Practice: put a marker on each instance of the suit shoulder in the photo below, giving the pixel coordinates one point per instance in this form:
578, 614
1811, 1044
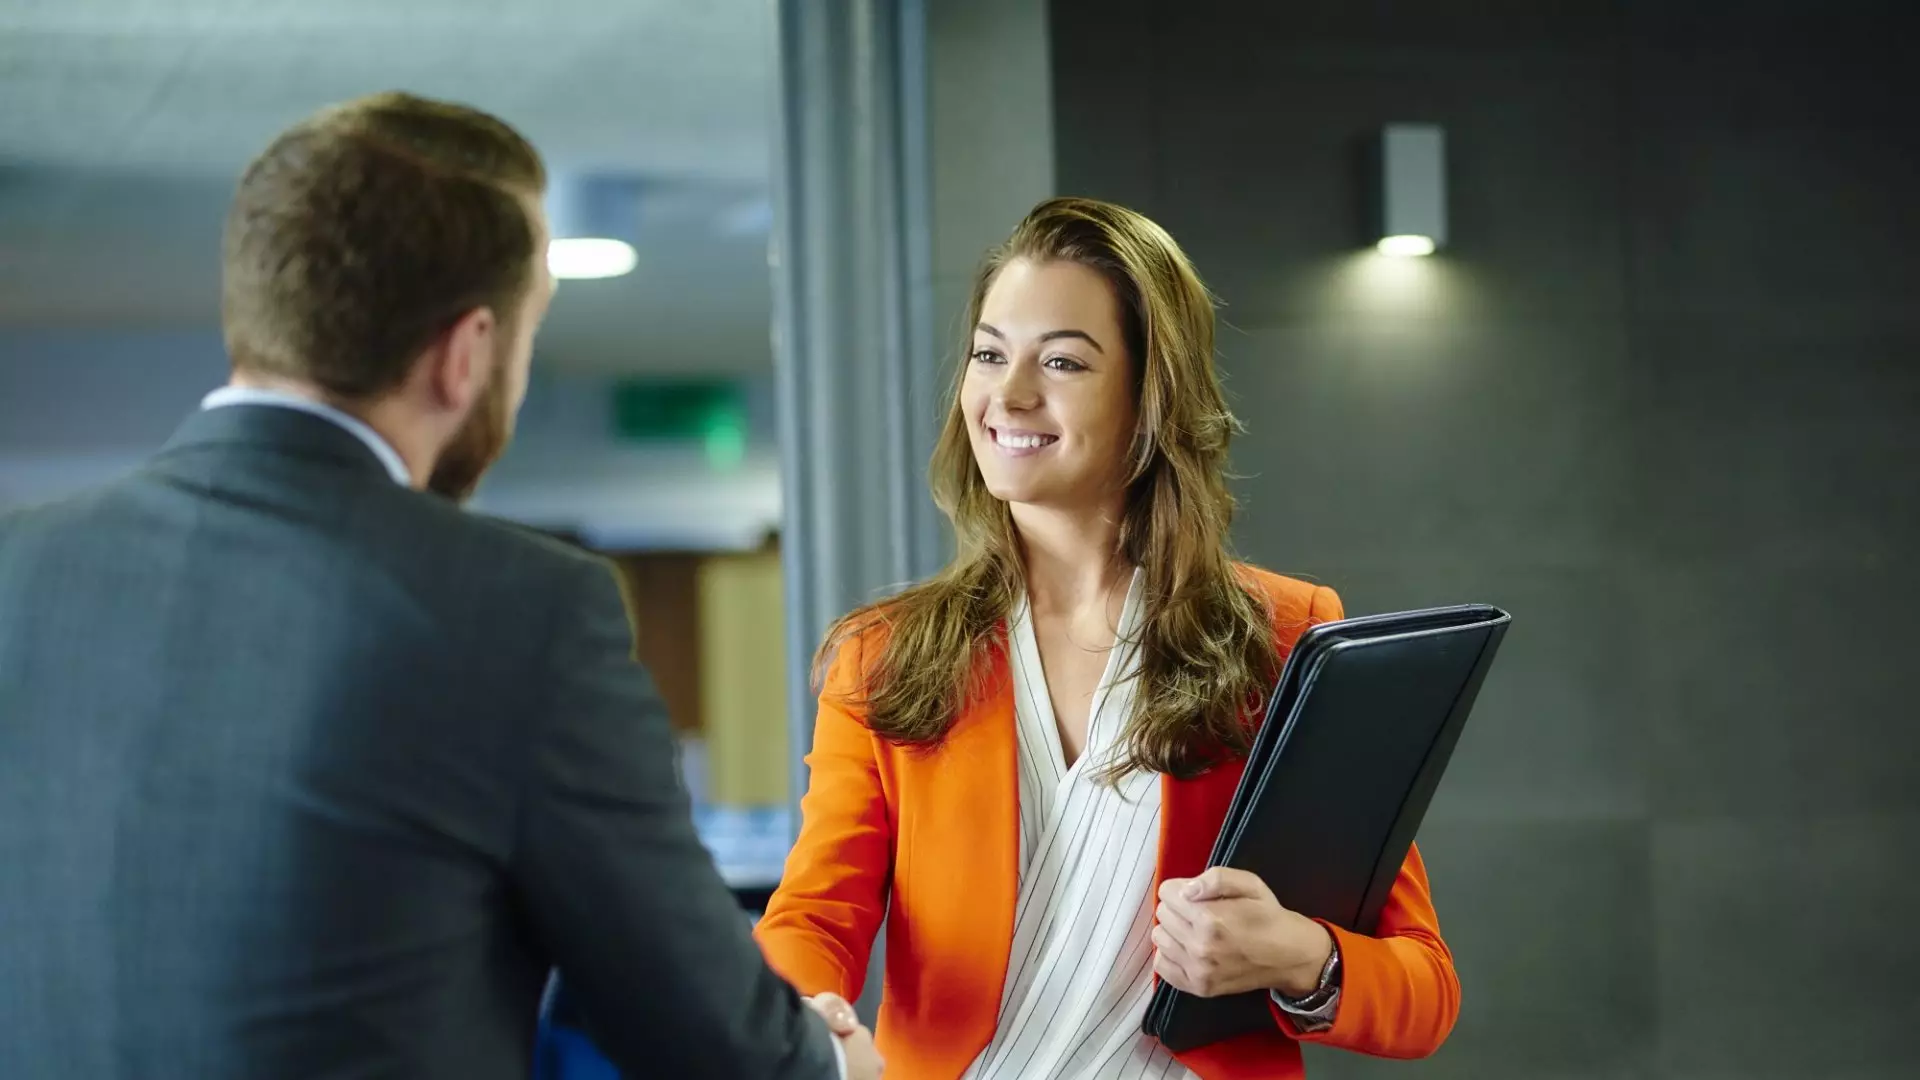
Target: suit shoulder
506, 561
521, 546
855, 648
1295, 603
538, 546
52, 514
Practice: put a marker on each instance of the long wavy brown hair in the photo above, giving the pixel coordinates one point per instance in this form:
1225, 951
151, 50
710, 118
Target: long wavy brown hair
1206, 649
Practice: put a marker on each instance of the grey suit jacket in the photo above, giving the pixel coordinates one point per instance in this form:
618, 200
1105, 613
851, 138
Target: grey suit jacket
304, 774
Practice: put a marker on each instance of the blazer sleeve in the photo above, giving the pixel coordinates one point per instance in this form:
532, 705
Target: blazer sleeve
651, 944
1399, 993
819, 927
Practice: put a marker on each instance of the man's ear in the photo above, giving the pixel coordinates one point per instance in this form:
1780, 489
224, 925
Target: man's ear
460, 361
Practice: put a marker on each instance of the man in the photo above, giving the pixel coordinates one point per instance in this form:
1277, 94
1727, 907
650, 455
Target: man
303, 771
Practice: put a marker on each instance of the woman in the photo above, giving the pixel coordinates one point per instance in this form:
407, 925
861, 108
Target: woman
1023, 762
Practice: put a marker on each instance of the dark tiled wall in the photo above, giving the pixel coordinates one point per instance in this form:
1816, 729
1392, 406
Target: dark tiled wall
1661, 399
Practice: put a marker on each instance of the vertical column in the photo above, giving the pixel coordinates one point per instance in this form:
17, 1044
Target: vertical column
850, 306
911, 135
850, 227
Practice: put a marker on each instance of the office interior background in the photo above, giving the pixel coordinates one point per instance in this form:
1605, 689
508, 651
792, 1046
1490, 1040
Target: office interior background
1657, 393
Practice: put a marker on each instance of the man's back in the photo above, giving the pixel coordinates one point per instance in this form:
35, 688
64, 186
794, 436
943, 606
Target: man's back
305, 774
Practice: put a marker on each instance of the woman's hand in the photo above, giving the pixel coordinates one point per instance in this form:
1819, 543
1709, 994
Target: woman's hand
1224, 933
840, 1017
862, 1059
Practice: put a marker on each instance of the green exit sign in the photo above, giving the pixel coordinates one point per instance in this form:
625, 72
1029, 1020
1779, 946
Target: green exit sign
709, 412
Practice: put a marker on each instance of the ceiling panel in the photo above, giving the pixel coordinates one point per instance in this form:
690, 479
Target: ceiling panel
126, 121
653, 86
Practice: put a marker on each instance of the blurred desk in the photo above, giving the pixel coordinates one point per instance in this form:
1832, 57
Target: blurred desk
749, 845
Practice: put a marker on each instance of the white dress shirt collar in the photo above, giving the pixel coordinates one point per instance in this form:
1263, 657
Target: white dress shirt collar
382, 449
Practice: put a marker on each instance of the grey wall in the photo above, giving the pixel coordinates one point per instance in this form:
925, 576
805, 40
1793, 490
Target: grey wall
79, 407
1661, 400
990, 149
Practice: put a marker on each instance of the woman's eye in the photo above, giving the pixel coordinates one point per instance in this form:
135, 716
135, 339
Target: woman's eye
985, 356
1065, 363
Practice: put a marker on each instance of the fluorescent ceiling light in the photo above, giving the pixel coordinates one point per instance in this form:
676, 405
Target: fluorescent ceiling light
1405, 246
590, 257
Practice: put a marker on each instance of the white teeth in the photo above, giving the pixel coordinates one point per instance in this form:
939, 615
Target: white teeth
1021, 442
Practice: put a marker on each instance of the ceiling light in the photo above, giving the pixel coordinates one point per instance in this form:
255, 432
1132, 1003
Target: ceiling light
590, 257
592, 220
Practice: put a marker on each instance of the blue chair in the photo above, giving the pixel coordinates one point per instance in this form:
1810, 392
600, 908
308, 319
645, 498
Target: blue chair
563, 1051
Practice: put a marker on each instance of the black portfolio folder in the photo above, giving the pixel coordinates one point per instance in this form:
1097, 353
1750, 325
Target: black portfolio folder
1357, 733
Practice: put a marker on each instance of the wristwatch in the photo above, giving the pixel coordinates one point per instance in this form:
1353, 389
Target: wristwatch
1318, 1004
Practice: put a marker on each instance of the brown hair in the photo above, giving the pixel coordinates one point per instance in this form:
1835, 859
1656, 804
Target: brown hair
1206, 649
365, 231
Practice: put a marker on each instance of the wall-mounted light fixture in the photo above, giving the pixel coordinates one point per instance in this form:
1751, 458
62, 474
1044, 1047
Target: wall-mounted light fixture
1411, 218
592, 221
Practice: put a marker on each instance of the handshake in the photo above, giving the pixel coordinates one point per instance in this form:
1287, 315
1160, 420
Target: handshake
863, 1060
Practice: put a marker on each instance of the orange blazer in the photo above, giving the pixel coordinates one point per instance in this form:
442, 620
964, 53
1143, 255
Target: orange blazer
930, 841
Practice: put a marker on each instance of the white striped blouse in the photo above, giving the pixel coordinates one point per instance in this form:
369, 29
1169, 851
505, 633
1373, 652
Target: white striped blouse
1081, 970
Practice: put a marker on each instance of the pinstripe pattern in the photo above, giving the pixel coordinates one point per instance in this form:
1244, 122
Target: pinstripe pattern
1080, 972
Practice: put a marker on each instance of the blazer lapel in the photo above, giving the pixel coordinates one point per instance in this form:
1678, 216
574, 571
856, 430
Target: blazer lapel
962, 851
995, 812
1191, 813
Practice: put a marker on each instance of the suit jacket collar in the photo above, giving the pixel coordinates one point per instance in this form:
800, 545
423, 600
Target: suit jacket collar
254, 395
276, 430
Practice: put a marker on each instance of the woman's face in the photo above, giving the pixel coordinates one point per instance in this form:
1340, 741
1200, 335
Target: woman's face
1048, 391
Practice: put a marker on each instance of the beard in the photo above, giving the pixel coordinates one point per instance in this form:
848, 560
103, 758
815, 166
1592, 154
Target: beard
482, 438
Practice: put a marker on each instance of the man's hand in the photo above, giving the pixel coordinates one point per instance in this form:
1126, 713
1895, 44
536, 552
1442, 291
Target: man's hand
863, 1059
1224, 933
840, 1017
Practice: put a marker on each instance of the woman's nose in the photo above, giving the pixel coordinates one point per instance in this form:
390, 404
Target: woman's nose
1020, 387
